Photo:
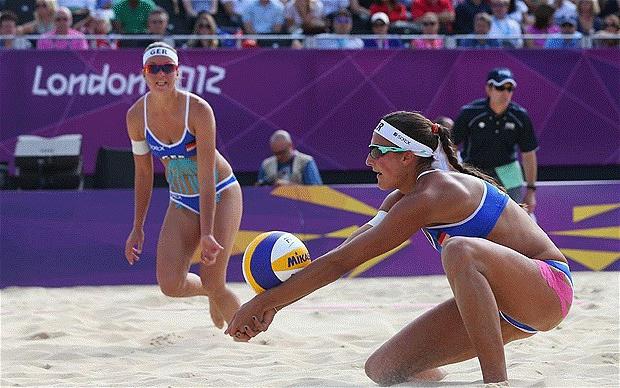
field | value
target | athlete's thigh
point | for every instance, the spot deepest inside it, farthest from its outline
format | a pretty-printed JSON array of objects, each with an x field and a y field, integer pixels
[
  {"x": 436, "y": 338},
  {"x": 519, "y": 288},
  {"x": 226, "y": 225},
  {"x": 178, "y": 238}
]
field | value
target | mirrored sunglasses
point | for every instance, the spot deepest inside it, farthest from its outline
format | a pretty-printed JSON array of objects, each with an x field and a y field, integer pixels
[
  {"x": 154, "y": 69},
  {"x": 507, "y": 87},
  {"x": 377, "y": 151}
]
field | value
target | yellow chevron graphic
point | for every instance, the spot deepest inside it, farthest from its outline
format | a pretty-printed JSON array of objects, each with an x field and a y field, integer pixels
[
  {"x": 372, "y": 262},
  {"x": 324, "y": 196},
  {"x": 342, "y": 233},
  {"x": 612, "y": 232},
  {"x": 581, "y": 213},
  {"x": 595, "y": 260}
]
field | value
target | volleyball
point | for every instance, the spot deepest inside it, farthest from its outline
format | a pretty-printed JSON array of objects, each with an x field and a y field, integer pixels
[{"x": 271, "y": 258}]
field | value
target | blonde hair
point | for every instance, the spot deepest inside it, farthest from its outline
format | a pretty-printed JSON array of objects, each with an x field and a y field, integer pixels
[{"x": 52, "y": 6}]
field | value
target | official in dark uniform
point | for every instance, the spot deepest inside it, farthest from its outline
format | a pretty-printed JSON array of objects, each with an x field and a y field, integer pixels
[{"x": 488, "y": 132}]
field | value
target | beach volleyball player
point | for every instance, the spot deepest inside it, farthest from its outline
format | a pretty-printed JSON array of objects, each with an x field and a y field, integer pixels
[
  {"x": 508, "y": 278},
  {"x": 205, "y": 207}
]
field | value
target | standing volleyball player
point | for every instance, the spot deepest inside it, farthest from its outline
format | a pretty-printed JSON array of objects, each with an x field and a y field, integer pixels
[
  {"x": 507, "y": 277},
  {"x": 205, "y": 198}
]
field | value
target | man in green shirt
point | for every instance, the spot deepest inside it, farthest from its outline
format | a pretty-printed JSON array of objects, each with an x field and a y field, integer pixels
[{"x": 130, "y": 16}]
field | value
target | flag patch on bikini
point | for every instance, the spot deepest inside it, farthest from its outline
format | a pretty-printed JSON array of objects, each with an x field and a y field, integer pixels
[{"x": 191, "y": 146}]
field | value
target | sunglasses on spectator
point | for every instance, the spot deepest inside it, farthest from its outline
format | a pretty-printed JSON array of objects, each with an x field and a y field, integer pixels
[
  {"x": 612, "y": 25},
  {"x": 204, "y": 26},
  {"x": 498, "y": 5},
  {"x": 377, "y": 151},
  {"x": 429, "y": 23},
  {"x": 502, "y": 88},
  {"x": 61, "y": 18},
  {"x": 40, "y": 5},
  {"x": 155, "y": 69}
]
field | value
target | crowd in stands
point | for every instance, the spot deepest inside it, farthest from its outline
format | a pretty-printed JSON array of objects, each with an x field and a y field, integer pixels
[{"x": 329, "y": 24}]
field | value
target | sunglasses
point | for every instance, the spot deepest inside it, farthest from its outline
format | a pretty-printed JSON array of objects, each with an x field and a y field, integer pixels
[
  {"x": 61, "y": 19},
  {"x": 377, "y": 151},
  {"x": 429, "y": 23},
  {"x": 154, "y": 69},
  {"x": 507, "y": 88},
  {"x": 204, "y": 26},
  {"x": 40, "y": 5},
  {"x": 611, "y": 25}
]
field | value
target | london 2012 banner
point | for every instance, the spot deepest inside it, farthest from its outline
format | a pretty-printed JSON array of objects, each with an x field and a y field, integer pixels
[{"x": 328, "y": 100}]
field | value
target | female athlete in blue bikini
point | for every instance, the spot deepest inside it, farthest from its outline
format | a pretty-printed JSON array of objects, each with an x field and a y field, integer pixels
[
  {"x": 205, "y": 198},
  {"x": 507, "y": 277}
]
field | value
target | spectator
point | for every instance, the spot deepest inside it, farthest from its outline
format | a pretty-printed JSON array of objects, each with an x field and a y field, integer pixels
[
  {"x": 442, "y": 8},
  {"x": 8, "y": 26},
  {"x": 543, "y": 24},
  {"x": 343, "y": 23},
  {"x": 564, "y": 8},
  {"x": 489, "y": 131},
  {"x": 392, "y": 8},
  {"x": 305, "y": 16},
  {"x": 482, "y": 26},
  {"x": 430, "y": 26},
  {"x": 588, "y": 21},
  {"x": 380, "y": 26},
  {"x": 263, "y": 17},
  {"x": 502, "y": 25},
  {"x": 43, "y": 22},
  {"x": 611, "y": 31},
  {"x": 611, "y": 7},
  {"x": 130, "y": 16},
  {"x": 332, "y": 7},
  {"x": 193, "y": 7},
  {"x": 23, "y": 9},
  {"x": 231, "y": 13},
  {"x": 79, "y": 8},
  {"x": 571, "y": 38},
  {"x": 157, "y": 24},
  {"x": 517, "y": 10},
  {"x": 465, "y": 13},
  {"x": 205, "y": 25},
  {"x": 63, "y": 21},
  {"x": 98, "y": 23},
  {"x": 287, "y": 166},
  {"x": 178, "y": 23}
]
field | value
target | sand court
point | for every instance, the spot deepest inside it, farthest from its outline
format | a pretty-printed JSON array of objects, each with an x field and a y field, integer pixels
[{"x": 135, "y": 336}]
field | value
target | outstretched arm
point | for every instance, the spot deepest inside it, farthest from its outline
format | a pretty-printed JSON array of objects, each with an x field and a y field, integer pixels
[{"x": 399, "y": 225}]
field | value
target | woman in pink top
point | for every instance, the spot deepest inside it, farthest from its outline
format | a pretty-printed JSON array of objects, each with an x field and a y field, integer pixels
[
  {"x": 62, "y": 24},
  {"x": 430, "y": 26},
  {"x": 543, "y": 24}
]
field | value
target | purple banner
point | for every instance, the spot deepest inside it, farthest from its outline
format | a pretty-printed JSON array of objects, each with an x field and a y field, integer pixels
[
  {"x": 328, "y": 100},
  {"x": 66, "y": 238}
]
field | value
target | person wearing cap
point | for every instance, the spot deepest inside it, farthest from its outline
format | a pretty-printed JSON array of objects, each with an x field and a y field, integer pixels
[
  {"x": 569, "y": 36},
  {"x": 508, "y": 279},
  {"x": 205, "y": 200},
  {"x": 287, "y": 166},
  {"x": 380, "y": 26},
  {"x": 489, "y": 131}
]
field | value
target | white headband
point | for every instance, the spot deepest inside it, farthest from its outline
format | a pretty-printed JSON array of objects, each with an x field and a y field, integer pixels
[
  {"x": 394, "y": 135},
  {"x": 160, "y": 51}
]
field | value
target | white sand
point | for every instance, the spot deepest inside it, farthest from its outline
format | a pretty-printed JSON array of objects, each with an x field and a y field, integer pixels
[{"x": 135, "y": 336}]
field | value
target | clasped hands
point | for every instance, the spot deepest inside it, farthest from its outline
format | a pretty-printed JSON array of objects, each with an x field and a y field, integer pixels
[{"x": 249, "y": 321}]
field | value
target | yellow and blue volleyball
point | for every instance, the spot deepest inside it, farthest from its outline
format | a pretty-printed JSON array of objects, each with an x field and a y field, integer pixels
[{"x": 271, "y": 258}]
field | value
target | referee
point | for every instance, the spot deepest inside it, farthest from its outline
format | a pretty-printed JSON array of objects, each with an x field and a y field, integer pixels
[{"x": 488, "y": 132}]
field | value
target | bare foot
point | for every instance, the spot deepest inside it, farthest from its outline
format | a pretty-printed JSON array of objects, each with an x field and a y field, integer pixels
[
  {"x": 216, "y": 315},
  {"x": 434, "y": 374}
]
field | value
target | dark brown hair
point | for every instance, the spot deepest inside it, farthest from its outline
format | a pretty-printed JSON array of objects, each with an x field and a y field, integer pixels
[{"x": 419, "y": 128}]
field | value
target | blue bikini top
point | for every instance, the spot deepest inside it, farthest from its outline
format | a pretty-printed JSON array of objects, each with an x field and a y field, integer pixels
[
  {"x": 478, "y": 224},
  {"x": 184, "y": 148}
]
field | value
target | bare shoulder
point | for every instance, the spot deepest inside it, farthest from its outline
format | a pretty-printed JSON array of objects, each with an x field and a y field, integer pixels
[
  {"x": 135, "y": 120},
  {"x": 200, "y": 113}
]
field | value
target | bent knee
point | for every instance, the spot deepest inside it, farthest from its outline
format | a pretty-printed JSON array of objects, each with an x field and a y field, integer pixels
[
  {"x": 457, "y": 252},
  {"x": 170, "y": 286}
]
